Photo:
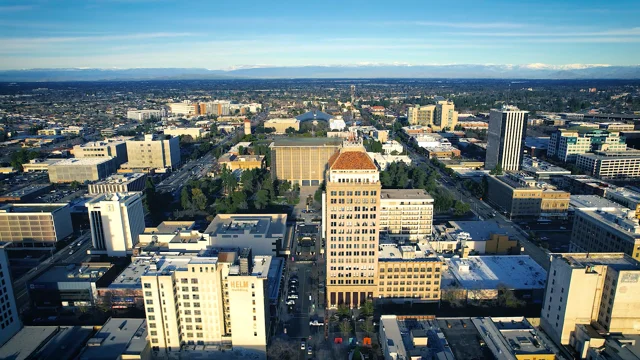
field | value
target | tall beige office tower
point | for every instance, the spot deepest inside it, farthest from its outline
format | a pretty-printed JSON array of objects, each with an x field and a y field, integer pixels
[
  {"x": 445, "y": 116},
  {"x": 351, "y": 212},
  {"x": 507, "y": 130},
  {"x": 421, "y": 115},
  {"x": 596, "y": 290}
]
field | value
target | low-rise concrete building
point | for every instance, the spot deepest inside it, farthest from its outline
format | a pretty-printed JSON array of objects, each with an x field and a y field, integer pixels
[
  {"x": 523, "y": 197},
  {"x": 263, "y": 233},
  {"x": 483, "y": 278},
  {"x": 116, "y": 149},
  {"x": 383, "y": 161},
  {"x": 119, "y": 338},
  {"x": 626, "y": 197},
  {"x": 39, "y": 165},
  {"x": 473, "y": 237},
  {"x": 282, "y": 124},
  {"x": 119, "y": 183},
  {"x": 81, "y": 170},
  {"x": 242, "y": 162},
  {"x": 29, "y": 224},
  {"x": 623, "y": 165},
  {"x": 542, "y": 170},
  {"x": 195, "y": 133}
]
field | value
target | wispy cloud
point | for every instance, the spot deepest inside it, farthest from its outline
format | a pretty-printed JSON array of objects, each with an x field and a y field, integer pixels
[
  {"x": 15, "y": 8},
  {"x": 36, "y": 41},
  {"x": 613, "y": 32},
  {"x": 460, "y": 25}
]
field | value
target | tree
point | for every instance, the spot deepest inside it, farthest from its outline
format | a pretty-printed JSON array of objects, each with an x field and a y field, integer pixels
[
  {"x": 290, "y": 131},
  {"x": 343, "y": 311},
  {"x": 198, "y": 199},
  {"x": 248, "y": 178},
  {"x": 262, "y": 199},
  {"x": 507, "y": 298},
  {"x": 366, "y": 309},
  {"x": 285, "y": 186},
  {"x": 185, "y": 198},
  {"x": 368, "y": 327},
  {"x": 345, "y": 327},
  {"x": 74, "y": 185},
  {"x": 282, "y": 350},
  {"x": 461, "y": 208},
  {"x": 496, "y": 170}
]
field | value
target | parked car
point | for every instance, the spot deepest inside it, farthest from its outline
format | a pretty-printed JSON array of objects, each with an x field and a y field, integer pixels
[
  {"x": 291, "y": 302},
  {"x": 302, "y": 345},
  {"x": 310, "y": 350}
]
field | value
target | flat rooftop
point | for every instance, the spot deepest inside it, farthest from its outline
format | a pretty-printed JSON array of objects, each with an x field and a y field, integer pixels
[
  {"x": 593, "y": 202},
  {"x": 82, "y": 161},
  {"x": 168, "y": 227},
  {"x": 46, "y": 342},
  {"x": 405, "y": 194},
  {"x": 319, "y": 141},
  {"x": 121, "y": 178},
  {"x": 510, "y": 335},
  {"x": 73, "y": 273},
  {"x": 620, "y": 219},
  {"x": 274, "y": 277},
  {"x": 268, "y": 225},
  {"x": 394, "y": 252},
  {"x": 518, "y": 272},
  {"x": 538, "y": 166},
  {"x": 477, "y": 230},
  {"x": 101, "y": 143},
  {"x": 122, "y": 336},
  {"x": 618, "y": 261},
  {"x": 626, "y": 155},
  {"x": 438, "y": 346},
  {"x": 30, "y": 208},
  {"x": 463, "y": 339}
]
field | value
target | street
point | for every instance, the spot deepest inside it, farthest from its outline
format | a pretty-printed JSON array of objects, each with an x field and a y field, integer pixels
[{"x": 79, "y": 255}]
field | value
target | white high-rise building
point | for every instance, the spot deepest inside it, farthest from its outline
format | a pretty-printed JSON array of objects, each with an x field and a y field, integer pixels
[
  {"x": 9, "y": 322},
  {"x": 507, "y": 130},
  {"x": 212, "y": 298},
  {"x": 116, "y": 222}
]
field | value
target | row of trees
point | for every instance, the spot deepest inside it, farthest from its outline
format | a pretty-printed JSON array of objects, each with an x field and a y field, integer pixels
[{"x": 22, "y": 156}]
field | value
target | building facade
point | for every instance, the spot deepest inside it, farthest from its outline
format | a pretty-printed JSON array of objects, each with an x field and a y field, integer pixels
[
  {"x": 81, "y": 170},
  {"x": 507, "y": 131},
  {"x": 351, "y": 216},
  {"x": 10, "y": 323},
  {"x": 445, "y": 117},
  {"x": 116, "y": 149},
  {"x": 207, "y": 299},
  {"x": 567, "y": 144},
  {"x": 606, "y": 230},
  {"x": 116, "y": 221},
  {"x": 119, "y": 183},
  {"x": 523, "y": 197},
  {"x": 196, "y": 133},
  {"x": 595, "y": 289},
  {"x": 154, "y": 152},
  {"x": 421, "y": 115},
  {"x": 35, "y": 223},
  {"x": 406, "y": 215},
  {"x": 281, "y": 125},
  {"x": 302, "y": 161},
  {"x": 623, "y": 165},
  {"x": 141, "y": 115}
]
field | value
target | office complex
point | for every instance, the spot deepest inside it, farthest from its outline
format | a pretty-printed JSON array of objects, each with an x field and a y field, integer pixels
[
  {"x": 153, "y": 152},
  {"x": 521, "y": 196},
  {"x": 594, "y": 291},
  {"x": 408, "y": 273},
  {"x": 81, "y": 170},
  {"x": 119, "y": 183},
  {"x": 302, "y": 161},
  {"x": 186, "y": 108},
  {"x": 611, "y": 165},
  {"x": 116, "y": 149},
  {"x": 116, "y": 222},
  {"x": 9, "y": 322},
  {"x": 142, "y": 115},
  {"x": 35, "y": 223},
  {"x": 507, "y": 130},
  {"x": 598, "y": 229},
  {"x": 211, "y": 298},
  {"x": 263, "y": 233},
  {"x": 351, "y": 214},
  {"x": 445, "y": 117},
  {"x": 281, "y": 125},
  {"x": 421, "y": 115},
  {"x": 406, "y": 215},
  {"x": 567, "y": 144}
]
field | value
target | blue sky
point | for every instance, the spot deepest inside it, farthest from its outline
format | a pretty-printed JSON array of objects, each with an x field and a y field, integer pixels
[{"x": 222, "y": 34}]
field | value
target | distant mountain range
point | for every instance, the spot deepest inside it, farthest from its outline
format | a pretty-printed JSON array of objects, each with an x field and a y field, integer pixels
[{"x": 530, "y": 71}]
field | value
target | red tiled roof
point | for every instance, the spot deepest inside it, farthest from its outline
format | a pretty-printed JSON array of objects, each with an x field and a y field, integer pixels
[{"x": 353, "y": 160}]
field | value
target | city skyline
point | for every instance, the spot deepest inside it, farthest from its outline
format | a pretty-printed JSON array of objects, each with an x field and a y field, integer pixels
[{"x": 147, "y": 33}]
